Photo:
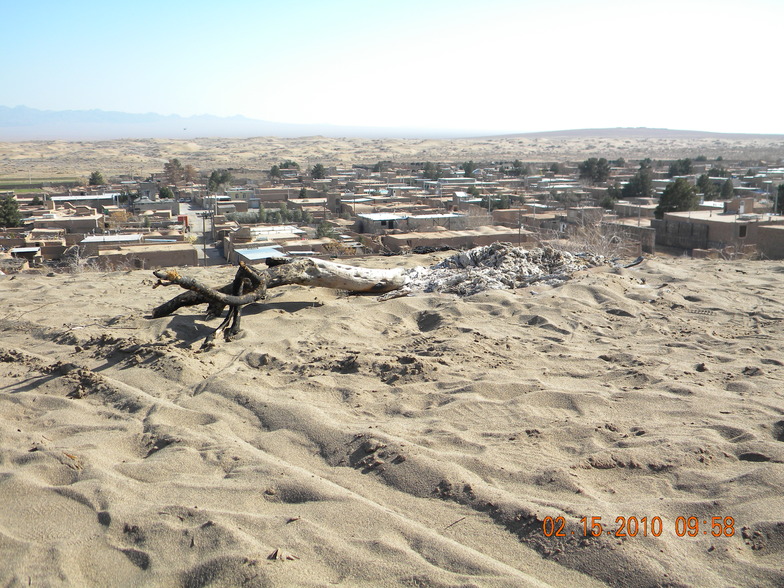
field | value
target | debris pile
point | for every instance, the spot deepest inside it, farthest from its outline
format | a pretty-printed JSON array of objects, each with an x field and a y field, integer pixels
[{"x": 500, "y": 266}]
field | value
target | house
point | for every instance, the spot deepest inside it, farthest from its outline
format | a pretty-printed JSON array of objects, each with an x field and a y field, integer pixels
[
  {"x": 30, "y": 254},
  {"x": 379, "y": 222},
  {"x": 97, "y": 201},
  {"x": 149, "y": 190},
  {"x": 93, "y": 243},
  {"x": 149, "y": 256},
  {"x": 258, "y": 254},
  {"x": 704, "y": 229},
  {"x": 626, "y": 209},
  {"x": 248, "y": 237},
  {"x": 143, "y": 205},
  {"x": 71, "y": 223},
  {"x": 485, "y": 235}
]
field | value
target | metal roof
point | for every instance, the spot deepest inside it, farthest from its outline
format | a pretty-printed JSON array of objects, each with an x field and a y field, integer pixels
[
  {"x": 439, "y": 215},
  {"x": 383, "y": 216},
  {"x": 260, "y": 253},
  {"x": 112, "y": 238},
  {"x": 88, "y": 197}
]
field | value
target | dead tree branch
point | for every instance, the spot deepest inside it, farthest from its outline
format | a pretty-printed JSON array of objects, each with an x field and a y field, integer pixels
[{"x": 251, "y": 284}]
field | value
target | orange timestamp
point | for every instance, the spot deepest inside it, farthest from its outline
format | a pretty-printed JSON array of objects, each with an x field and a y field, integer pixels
[{"x": 633, "y": 526}]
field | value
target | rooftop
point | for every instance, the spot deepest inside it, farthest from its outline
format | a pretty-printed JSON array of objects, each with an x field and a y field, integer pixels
[
  {"x": 383, "y": 216},
  {"x": 79, "y": 198},
  {"x": 710, "y": 215},
  {"x": 260, "y": 253},
  {"x": 113, "y": 238}
]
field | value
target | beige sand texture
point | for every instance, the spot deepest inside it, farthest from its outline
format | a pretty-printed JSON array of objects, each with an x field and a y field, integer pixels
[
  {"x": 420, "y": 441},
  {"x": 140, "y": 157}
]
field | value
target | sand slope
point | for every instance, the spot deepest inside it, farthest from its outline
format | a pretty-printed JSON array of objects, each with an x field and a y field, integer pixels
[{"x": 420, "y": 441}]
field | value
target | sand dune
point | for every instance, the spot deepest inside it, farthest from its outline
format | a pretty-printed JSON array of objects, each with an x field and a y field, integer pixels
[
  {"x": 419, "y": 441},
  {"x": 140, "y": 157}
]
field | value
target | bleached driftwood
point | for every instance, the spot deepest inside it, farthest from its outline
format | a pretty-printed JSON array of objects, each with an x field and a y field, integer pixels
[
  {"x": 250, "y": 285},
  {"x": 500, "y": 265}
]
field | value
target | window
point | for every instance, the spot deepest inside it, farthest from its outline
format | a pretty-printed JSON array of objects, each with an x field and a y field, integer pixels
[{"x": 742, "y": 231}]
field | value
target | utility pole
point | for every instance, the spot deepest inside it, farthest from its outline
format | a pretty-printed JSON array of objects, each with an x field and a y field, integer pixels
[
  {"x": 204, "y": 216},
  {"x": 519, "y": 226}
]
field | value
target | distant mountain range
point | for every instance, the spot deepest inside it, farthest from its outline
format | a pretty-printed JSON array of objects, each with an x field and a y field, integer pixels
[
  {"x": 643, "y": 133},
  {"x": 21, "y": 123}
]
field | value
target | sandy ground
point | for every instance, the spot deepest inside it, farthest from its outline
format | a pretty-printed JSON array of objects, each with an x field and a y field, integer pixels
[
  {"x": 139, "y": 158},
  {"x": 420, "y": 441}
]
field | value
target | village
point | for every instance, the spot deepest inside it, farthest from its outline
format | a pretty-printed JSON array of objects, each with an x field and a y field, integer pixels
[{"x": 181, "y": 217}]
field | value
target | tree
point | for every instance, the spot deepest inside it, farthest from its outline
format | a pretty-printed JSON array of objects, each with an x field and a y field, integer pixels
[
  {"x": 612, "y": 196},
  {"x": 218, "y": 178},
  {"x": 96, "y": 179},
  {"x": 174, "y": 171},
  {"x": 325, "y": 229},
  {"x": 9, "y": 212},
  {"x": 251, "y": 285},
  {"x": 640, "y": 185},
  {"x": 678, "y": 196},
  {"x": 519, "y": 169},
  {"x": 707, "y": 187},
  {"x": 778, "y": 206},
  {"x": 274, "y": 172},
  {"x": 318, "y": 172},
  {"x": 608, "y": 202},
  {"x": 190, "y": 173},
  {"x": 165, "y": 192},
  {"x": 289, "y": 164},
  {"x": 595, "y": 170},
  {"x": 468, "y": 168},
  {"x": 727, "y": 189},
  {"x": 430, "y": 171},
  {"x": 128, "y": 196},
  {"x": 303, "y": 192},
  {"x": 556, "y": 168},
  {"x": 681, "y": 167}
]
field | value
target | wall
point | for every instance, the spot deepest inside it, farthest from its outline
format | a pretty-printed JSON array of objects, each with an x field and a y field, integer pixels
[
  {"x": 770, "y": 241},
  {"x": 149, "y": 257},
  {"x": 684, "y": 235},
  {"x": 645, "y": 236},
  {"x": 72, "y": 224},
  {"x": 458, "y": 240}
]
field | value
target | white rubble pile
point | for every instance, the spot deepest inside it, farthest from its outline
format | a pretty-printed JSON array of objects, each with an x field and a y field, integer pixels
[{"x": 500, "y": 266}]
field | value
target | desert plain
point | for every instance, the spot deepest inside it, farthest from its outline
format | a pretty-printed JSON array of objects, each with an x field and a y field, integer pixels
[
  {"x": 140, "y": 157},
  {"x": 433, "y": 439}
]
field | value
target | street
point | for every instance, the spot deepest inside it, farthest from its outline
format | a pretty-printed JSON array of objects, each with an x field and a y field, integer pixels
[{"x": 197, "y": 226}]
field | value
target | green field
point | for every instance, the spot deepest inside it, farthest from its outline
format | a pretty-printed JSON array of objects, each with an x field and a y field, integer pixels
[{"x": 22, "y": 184}]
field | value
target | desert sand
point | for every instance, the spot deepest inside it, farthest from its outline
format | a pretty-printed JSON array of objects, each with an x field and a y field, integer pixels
[
  {"x": 419, "y": 441},
  {"x": 140, "y": 157}
]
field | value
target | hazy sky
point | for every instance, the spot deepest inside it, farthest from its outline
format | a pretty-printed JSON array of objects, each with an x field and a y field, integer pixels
[{"x": 492, "y": 65}]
